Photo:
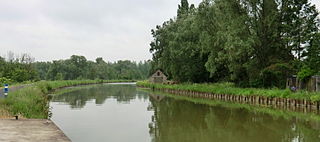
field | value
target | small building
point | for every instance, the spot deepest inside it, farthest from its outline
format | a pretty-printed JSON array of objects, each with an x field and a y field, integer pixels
[{"x": 158, "y": 77}]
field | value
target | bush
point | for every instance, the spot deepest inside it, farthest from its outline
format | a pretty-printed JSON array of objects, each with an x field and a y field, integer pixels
[
  {"x": 275, "y": 75},
  {"x": 4, "y": 80},
  {"x": 305, "y": 73}
]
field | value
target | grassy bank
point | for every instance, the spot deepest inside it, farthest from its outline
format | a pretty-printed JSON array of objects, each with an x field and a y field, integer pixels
[
  {"x": 266, "y": 110},
  {"x": 32, "y": 101},
  {"x": 230, "y": 89}
]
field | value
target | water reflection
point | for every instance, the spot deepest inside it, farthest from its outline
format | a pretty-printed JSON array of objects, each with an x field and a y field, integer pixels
[
  {"x": 121, "y": 113},
  {"x": 112, "y": 113},
  {"x": 78, "y": 97},
  {"x": 182, "y": 121}
]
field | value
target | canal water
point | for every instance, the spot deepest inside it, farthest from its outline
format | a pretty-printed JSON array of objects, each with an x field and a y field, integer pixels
[{"x": 123, "y": 113}]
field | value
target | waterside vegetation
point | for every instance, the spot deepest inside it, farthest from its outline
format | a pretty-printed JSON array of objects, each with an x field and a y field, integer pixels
[
  {"x": 231, "y": 89},
  {"x": 32, "y": 101},
  {"x": 252, "y": 43},
  {"x": 267, "y": 110}
]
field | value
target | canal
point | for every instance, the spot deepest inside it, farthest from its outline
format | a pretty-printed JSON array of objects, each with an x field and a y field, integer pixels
[{"x": 123, "y": 113}]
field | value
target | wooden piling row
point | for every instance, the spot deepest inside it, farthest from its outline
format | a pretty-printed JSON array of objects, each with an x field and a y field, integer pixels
[{"x": 280, "y": 103}]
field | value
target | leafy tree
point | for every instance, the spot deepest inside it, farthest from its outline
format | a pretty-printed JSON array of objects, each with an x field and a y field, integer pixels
[
  {"x": 313, "y": 54},
  {"x": 183, "y": 9},
  {"x": 78, "y": 67},
  {"x": 299, "y": 25},
  {"x": 17, "y": 69},
  {"x": 175, "y": 47},
  {"x": 249, "y": 42}
]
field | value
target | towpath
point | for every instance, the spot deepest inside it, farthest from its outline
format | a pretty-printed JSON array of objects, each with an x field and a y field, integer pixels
[
  {"x": 30, "y": 130},
  {"x": 13, "y": 88}
]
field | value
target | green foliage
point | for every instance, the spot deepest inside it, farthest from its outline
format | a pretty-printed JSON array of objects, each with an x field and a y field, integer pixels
[
  {"x": 305, "y": 73},
  {"x": 299, "y": 25},
  {"x": 29, "y": 102},
  {"x": 79, "y": 68},
  {"x": 175, "y": 48},
  {"x": 231, "y": 89},
  {"x": 18, "y": 70},
  {"x": 313, "y": 55},
  {"x": 276, "y": 75},
  {"x": 4, "y": 80},
  {"x": 250, "y": 43}
]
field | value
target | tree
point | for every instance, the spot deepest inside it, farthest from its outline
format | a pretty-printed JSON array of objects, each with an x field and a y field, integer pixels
[
  {"x": 18, "y": 69},
  {"x": 243, "y": 41},
  {"x": 183, "y": 9},
  {"x": 299, "y": 25},
  {"x": 313, "y": 55},
  {"x": 175, "y": 47}
]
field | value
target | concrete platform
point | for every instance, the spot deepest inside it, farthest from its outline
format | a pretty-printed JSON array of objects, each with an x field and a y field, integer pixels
[{"x": 30, "y": 130}]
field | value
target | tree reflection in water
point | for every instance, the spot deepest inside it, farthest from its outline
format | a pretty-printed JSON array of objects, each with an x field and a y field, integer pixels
[
  {"x": 175, "y": 120},
  {"x": 183, "y": 121},
  {"x": 77, "y": 97}
]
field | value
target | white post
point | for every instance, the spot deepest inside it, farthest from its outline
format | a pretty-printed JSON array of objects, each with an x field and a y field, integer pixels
[{"x": 6, "y": 90}]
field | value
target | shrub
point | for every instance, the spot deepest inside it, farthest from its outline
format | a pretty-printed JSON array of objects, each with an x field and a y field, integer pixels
[
  {"x": 275, "y": 75},
  {"x": 4, "y": 80},
  {"x": 305, "y": 73}
]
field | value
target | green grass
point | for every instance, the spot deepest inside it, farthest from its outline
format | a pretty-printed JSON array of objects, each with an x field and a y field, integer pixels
[
  {"x": 33, "y": 101},
  {"x": 230, "y": 89},
  {"x": 29, "y": 102},
  {"x": 258, "y": 109}
]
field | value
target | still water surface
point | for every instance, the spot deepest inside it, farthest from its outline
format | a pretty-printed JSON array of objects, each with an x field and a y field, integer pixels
[{"x": 121, "y": 113}]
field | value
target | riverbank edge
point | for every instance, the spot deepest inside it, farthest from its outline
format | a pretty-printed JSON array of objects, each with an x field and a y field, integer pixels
[
  {"x": 270, "y": 110},
  {"x": 306, "y": 105},
  {"x": 33, "y": 101}
]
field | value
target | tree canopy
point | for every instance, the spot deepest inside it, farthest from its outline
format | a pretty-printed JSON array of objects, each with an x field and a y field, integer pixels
[
  {"x": 252, "y": 43},
  {"x": 24, "y": 68}
]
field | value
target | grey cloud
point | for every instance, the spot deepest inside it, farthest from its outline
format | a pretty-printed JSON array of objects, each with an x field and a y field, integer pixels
[{"x": 57, "y": 29}]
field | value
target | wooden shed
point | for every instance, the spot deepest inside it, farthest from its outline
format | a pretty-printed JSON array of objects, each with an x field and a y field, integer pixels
[{"x": 158, "y": 77}]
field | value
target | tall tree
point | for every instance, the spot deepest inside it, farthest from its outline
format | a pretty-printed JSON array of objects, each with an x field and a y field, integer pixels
[
  {"x": 183, "y": 9},
  {"x": 249, "y": 42},
  {"x": 299, "y": 25}
]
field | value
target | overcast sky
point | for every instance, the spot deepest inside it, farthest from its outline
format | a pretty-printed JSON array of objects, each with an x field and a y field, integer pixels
[{"x": 56, "y": 29}]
